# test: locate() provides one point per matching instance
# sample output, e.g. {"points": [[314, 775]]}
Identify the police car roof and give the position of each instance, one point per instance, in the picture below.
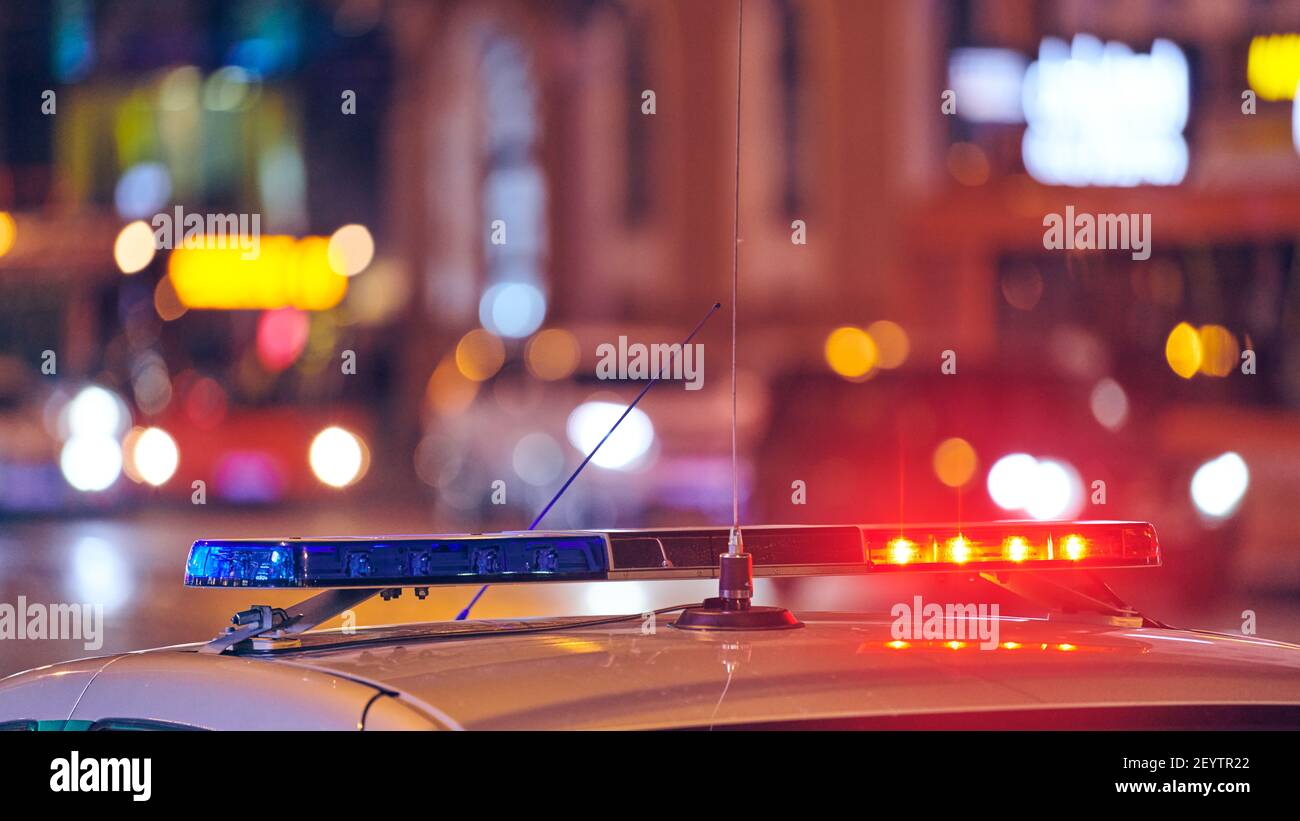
{"points": [[840, 665]]}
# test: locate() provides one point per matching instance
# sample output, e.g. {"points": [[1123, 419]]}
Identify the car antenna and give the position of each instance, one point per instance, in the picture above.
{"points": [[464, 614], [732, 608]]}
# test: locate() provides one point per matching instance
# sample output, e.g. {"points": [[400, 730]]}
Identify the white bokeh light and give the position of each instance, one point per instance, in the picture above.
{"points": [[1109, 404], [1057, 491], [96, 411], [1011, 480], [91, 463], [1099, 114], [155, 456], [336, 457], [630, 442], [1042, 488], [1219, 485]]}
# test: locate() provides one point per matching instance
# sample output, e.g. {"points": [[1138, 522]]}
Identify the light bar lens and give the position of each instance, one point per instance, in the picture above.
{"points": [[401, 562], [1012, 545]]}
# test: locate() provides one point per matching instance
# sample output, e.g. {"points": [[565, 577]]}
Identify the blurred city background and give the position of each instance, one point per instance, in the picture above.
{"points": [[458, 201]]}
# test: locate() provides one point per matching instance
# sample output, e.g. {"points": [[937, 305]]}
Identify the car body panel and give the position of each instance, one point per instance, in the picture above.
{"points": [[223, 692], [48, 693], [618, 677], [626, 676]]}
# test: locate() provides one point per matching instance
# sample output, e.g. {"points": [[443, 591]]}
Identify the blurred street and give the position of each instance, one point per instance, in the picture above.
{"points": [[339, 267]]}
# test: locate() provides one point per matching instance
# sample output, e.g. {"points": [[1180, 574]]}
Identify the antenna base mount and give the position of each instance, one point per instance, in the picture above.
{"points": [[731, 609], [713, 616]]}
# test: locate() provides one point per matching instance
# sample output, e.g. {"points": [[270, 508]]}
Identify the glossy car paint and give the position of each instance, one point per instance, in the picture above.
{"points": [[621, 677]]}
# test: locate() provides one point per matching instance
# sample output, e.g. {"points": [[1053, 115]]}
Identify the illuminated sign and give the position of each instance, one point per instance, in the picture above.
{"points": [[287, 272], [1100, 114]]}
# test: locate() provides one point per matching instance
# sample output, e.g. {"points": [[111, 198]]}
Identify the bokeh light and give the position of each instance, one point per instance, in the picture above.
{"points": [[448, 391], [954, 462], [96, 411], [134, 247], [1219, 485], [281, 337], [552, 354], [512, 309], [337, 457], [351, 249], [230, 88], [1057, 491], [142, 190], [479, 355], [892, 344], [850, 352], [166, 302], [91, 463], [1043, 488], [1219, 350], [8, 232], [1011, 480], [155, 456], [625, 448], [1183, 350], [1109, 404]]}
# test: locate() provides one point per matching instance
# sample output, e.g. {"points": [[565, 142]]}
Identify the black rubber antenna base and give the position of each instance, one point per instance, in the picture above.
{"points": [[731, 609], [712, 615]]}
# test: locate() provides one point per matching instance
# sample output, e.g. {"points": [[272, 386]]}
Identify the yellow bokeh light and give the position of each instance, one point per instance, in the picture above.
{"points": [[552, 354], [351, 248], [134, 248], [954, 461], [892, 344], [8, 232], [479, 355], [1273, 66], [1219, 350], [1183, 350], [285, 272], [851, 352]]}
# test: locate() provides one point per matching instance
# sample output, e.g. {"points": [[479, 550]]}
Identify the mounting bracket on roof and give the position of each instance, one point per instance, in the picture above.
{"points": [[1078, 592], [262, 621]]}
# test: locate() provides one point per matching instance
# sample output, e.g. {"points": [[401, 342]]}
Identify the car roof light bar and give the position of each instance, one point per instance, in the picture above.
{"points": [[661, 554]]}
